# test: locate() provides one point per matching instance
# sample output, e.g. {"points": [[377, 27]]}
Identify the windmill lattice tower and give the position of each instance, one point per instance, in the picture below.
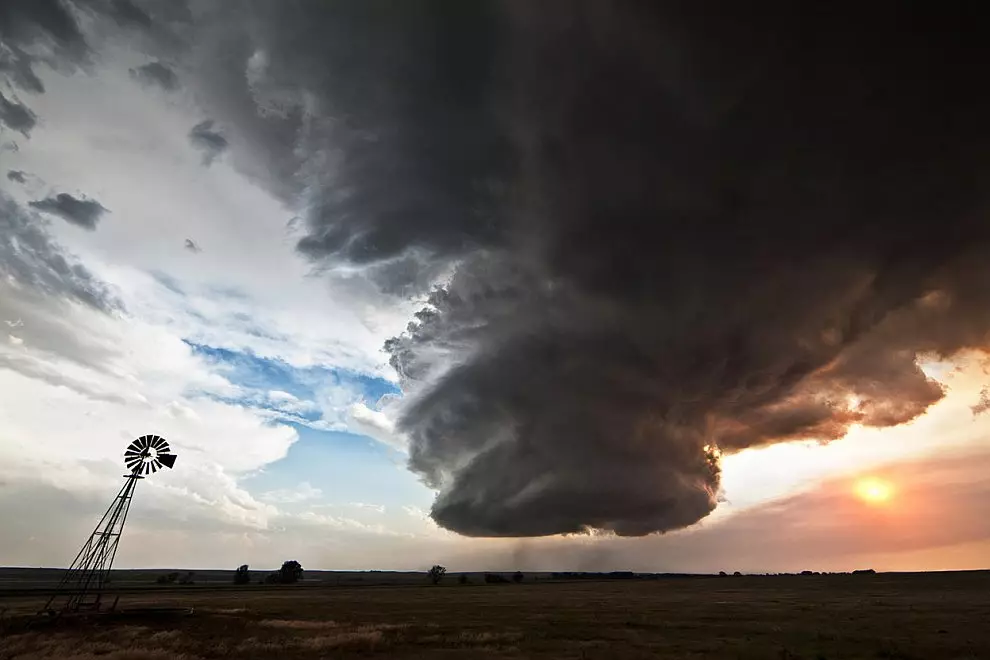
{"points": [[81, 588]]}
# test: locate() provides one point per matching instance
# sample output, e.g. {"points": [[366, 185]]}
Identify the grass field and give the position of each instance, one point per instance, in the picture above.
{"points": [[893, 616]]}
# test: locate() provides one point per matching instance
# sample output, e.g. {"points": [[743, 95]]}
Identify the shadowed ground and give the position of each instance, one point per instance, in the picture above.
{"points": [[903, 616]]}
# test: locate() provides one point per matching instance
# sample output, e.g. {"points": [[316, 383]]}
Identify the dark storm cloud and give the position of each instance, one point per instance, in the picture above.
{"points": [[715, 247], [127, 13], [33, 31], [16, 116], [23, 22], [210, 142], [31, 258], [156, 73], [16, 176], [424, 130], [18, 66], [673, 231], [85, 213], [826, 527], [334, 102]]}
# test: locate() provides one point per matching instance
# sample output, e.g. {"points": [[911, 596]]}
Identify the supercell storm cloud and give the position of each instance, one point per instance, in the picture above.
{"points": [[661, 231], [722, 232]]}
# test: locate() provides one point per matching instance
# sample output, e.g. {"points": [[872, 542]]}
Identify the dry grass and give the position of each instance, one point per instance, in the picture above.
{"points": [[122, 645], [882, 617], [357, 639], [295, 624]]}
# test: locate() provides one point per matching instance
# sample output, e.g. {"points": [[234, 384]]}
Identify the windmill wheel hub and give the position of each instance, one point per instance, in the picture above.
{"points": [[148, 454]]}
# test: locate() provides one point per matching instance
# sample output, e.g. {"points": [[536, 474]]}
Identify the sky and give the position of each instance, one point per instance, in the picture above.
{"points": [[615, 287]]}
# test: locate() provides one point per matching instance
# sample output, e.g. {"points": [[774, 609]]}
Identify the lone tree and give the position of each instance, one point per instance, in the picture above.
{"points": [[436, 573], [241, 575], [291, 572]]}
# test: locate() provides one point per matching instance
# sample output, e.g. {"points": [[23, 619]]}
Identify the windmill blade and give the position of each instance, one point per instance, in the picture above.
{"points": [[147, 453]]}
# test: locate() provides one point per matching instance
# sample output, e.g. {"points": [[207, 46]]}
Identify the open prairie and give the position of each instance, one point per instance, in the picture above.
{"points": [[893, 616]]}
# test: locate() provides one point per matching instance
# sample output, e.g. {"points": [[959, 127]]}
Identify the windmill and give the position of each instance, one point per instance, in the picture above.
{"points": [[82, 585]]}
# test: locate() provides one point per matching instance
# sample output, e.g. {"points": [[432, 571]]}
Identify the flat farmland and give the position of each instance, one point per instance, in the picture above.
{"points": [[893, 616]]}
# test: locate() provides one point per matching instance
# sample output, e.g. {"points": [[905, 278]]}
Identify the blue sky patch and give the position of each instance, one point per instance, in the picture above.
{"points": [[304, 395], [346, 468]]}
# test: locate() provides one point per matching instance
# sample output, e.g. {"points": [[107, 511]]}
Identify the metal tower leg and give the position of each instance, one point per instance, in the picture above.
{"points": [[82, 585]]}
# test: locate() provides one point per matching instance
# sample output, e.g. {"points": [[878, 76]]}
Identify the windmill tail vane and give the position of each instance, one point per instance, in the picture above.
{"points": [[81, 588]]}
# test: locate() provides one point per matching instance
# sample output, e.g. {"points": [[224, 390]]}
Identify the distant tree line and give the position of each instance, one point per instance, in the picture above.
{"points": [[176, 578], [437, 573], [613, 575], [290, 573]]}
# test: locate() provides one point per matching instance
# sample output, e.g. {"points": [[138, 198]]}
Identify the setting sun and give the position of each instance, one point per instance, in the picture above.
{"points": [[874, 490]]}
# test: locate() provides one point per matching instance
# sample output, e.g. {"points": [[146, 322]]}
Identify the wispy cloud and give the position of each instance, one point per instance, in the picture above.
{"points": [[81, 212], [208, 140], [156, 73], [983, 404], [319, 397], [378, 508], [302, 493], [16, 116]]}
